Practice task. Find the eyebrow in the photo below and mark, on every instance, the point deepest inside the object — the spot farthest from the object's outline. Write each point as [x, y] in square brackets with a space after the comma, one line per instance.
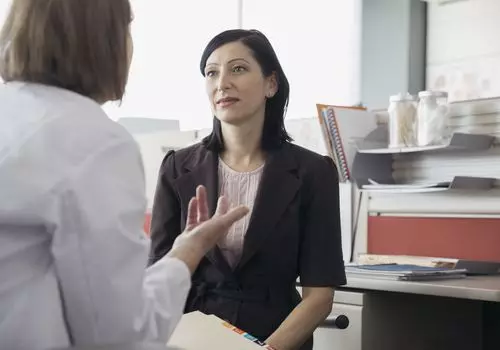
[231, 61]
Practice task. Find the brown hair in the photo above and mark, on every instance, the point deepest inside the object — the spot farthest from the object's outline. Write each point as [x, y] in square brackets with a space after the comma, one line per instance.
[79, 45]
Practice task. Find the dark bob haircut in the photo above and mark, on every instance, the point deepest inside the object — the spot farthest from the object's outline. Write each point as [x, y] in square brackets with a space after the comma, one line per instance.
[274, 133]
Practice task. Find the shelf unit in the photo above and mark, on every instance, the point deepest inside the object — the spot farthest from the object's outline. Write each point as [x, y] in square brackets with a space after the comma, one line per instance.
[373, 161]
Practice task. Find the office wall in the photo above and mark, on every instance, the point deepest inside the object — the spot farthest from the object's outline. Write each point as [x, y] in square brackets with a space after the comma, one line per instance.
[463, 48]
[392, 49]
[153, 147]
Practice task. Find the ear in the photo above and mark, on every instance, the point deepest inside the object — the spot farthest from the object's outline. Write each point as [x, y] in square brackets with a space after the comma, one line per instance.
[271, 85]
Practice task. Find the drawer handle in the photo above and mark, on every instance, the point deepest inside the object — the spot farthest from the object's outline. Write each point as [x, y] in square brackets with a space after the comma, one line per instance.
[336, 321]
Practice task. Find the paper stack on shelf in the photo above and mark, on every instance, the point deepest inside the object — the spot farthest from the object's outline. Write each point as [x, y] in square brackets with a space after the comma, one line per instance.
[407, 188]
[404, 272]
[343, 128]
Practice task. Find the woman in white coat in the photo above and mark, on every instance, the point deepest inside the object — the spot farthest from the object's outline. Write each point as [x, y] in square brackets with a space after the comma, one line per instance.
[72, 202]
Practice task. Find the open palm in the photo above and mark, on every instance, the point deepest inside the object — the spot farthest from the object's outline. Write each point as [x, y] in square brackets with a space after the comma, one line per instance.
[203, 232]
[198, 208]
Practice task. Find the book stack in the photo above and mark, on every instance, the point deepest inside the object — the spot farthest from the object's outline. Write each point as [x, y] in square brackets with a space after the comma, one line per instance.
[404, 272]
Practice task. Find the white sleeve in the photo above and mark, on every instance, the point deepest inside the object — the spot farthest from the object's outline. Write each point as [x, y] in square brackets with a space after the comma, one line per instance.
[101, 252]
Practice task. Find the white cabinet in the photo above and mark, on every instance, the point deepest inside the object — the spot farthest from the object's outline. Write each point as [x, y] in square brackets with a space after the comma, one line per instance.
[328, 337]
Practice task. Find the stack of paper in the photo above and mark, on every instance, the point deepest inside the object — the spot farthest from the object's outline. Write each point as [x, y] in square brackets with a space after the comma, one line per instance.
[404, 272]
[407, 188]
[378, 259]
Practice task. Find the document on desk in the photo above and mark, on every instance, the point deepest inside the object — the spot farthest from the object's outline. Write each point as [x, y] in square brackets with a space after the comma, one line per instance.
[404, 272]
[198, 331]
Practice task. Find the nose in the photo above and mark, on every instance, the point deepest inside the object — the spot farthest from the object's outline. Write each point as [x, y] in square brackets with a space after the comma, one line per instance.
[224, 81]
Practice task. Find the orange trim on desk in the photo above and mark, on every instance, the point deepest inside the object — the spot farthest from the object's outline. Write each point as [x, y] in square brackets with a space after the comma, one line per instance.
[461, 238]
[147, 223]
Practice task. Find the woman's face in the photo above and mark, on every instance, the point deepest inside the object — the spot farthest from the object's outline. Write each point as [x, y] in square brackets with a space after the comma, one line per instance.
[235, 84]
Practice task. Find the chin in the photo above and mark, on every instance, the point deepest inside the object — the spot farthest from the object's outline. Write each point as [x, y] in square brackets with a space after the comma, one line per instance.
[232, 119]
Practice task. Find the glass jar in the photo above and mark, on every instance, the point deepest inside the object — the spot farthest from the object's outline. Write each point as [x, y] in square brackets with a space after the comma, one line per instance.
[402, 114]
[432, 118]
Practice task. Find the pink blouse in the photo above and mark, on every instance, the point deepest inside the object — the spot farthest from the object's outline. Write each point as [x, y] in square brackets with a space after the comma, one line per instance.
[240, 188]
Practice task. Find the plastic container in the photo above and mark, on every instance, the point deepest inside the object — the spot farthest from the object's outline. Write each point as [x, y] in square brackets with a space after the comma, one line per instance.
[432, 118]
[402, 121]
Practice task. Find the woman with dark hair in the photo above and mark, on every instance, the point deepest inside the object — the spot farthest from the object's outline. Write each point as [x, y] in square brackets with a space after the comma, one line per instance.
[72, 201]
[293, 231]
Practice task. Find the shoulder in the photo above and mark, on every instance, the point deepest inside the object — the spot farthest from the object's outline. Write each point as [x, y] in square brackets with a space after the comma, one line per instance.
[83, 120]
[89, 116]
[317, 173]
[72, 129]
[309, 161]
[175, 161]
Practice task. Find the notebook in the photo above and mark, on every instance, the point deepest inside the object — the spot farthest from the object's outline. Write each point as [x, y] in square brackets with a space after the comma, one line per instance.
[343, 128]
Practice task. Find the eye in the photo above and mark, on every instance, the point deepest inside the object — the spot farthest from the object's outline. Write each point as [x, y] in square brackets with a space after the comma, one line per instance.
[210, 73]
[239, 69]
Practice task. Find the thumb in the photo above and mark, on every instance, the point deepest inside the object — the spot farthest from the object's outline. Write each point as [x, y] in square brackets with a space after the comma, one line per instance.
[219, 225]
[230, 217]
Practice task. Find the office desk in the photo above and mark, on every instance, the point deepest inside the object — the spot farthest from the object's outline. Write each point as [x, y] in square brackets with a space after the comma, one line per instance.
[485, 288]
[451, 314]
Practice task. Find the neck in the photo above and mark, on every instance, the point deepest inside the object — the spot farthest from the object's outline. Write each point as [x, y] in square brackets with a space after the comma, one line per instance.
[242, 145]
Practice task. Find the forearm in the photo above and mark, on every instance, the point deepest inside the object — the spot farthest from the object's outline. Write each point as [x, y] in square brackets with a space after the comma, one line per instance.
[165, 289]
[190, 255]
[301, 323]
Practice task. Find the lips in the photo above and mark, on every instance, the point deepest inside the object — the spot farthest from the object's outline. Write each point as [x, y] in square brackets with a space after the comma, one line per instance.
[226, 101]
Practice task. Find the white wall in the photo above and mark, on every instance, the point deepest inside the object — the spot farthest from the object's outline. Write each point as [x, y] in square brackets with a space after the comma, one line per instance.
[318, 44]
[169, 37]
[153, 148]
[463, 49]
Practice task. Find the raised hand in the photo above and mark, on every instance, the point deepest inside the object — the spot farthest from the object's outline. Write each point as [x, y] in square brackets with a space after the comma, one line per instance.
[202, 233]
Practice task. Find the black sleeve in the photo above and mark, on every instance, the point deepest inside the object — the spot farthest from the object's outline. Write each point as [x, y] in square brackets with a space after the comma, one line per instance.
[166, 214]
[321, 262]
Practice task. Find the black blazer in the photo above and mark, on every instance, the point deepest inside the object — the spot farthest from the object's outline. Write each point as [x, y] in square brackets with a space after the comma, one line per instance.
[294, 231]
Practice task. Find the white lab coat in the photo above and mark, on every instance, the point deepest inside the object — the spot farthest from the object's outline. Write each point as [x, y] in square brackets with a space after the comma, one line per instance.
[73, 254]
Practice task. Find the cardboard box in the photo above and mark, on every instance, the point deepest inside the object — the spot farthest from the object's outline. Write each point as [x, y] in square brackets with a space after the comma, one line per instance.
[197, 331]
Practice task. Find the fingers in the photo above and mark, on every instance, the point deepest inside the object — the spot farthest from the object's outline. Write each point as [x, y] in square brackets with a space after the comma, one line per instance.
[219, 225]
[192, 215]
[206, 235]
[201, 196]
[222, 206]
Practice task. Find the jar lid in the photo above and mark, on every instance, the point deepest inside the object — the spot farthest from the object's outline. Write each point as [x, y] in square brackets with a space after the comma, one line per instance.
[433, 94]
[401, 97]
